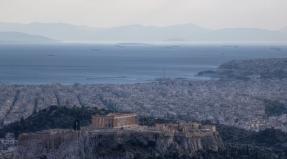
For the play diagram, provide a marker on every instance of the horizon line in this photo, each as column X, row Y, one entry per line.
column 144, row 25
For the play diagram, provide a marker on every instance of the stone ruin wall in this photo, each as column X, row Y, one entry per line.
column 125, row 121
column 101, row 122
column 50, row 139
column 188, row 129
column 114, row 121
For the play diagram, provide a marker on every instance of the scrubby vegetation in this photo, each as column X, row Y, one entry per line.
column 275, row 108
column 51, row 118
column 266, row 144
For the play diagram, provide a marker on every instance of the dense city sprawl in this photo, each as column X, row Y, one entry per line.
column 249, row 104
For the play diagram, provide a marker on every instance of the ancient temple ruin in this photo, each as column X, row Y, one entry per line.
column 109, row 132
column 114, row 120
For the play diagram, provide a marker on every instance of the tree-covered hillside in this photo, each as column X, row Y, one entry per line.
column 51, row 118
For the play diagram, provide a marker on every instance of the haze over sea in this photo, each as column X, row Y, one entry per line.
column 119, row 63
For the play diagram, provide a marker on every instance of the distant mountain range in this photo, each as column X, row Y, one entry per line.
column 139, row 33
column 16, row 37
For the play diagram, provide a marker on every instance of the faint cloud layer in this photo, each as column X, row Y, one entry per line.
column 270, row 14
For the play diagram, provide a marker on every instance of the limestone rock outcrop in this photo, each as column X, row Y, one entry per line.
column 141, row 142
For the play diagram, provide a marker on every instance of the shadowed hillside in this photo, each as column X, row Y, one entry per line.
column 51, row 118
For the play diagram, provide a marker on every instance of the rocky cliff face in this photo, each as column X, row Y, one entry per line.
column 115, row 144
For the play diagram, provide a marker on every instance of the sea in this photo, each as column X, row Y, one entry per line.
column 120, row 63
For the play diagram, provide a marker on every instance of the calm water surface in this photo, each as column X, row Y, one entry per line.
column 118, row 63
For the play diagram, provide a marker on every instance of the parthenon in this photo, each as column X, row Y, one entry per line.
column 114, row 120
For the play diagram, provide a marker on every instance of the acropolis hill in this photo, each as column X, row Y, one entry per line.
column 119, row 136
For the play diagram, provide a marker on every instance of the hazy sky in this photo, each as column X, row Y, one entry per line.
column 271, row 14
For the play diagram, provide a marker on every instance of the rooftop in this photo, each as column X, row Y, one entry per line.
column 121, row 114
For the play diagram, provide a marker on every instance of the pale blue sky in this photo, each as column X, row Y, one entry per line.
column 269, row 14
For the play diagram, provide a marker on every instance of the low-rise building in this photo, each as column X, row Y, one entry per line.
column 9, row 142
